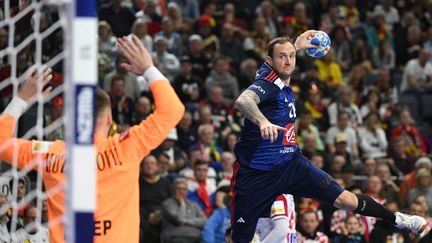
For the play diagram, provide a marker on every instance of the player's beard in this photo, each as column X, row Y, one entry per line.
column 284, row 75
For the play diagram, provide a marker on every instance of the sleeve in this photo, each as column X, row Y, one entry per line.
column 199, row 220
column 264, row 89
column 208, row 233
column 19, row 150
column 151, row 132
column 382, row 139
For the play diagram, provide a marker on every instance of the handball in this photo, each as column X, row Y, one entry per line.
column 322, row 41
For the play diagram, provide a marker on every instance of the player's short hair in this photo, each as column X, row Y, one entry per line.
column 102, row 101
column 278, row 40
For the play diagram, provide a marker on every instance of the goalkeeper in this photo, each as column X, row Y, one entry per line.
column 118, row 157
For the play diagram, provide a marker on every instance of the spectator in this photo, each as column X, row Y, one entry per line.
column 200, row 62
column 23, row 187
column 142, row 109
column 188, row 86
column 372, row 104
column 388, row 94
column 422, row 162
column 267, row 11
column 201, row 190
column 182, row 219
column 390, row 190
column 378, row 32
column 417, row 74
column 373, row 141
column 247, row 74
column 230, row 46
column 139, row 28
column 230, row 141
column 384, row 231
column 342, row 127
column 341, row 48
column 336, row 166
column 206, row 25
column 344, row 103
column 186, row 132
column 309, row 229
column 255, row 44
column 318, row 108
column 189, row 9
column 167, row 62
column 151, row 16
column 221, row 76
column 391, row 13
column 220, row 110
column 33, row 232
column 352, row 231
column 359, row 52
column 208, row 150
column 175, row 14
column 172, row 37
column 153, row 191
column 229, row 17
column 122, row 105
column 120, row 18
column 422, row 187
column 329, row 71
column 401, row 160
column 383, row 57
column 177, row 158
column 106, row 41
column 410, row 45
column 413, row 141
column 304, row 127
column 4, row 232
column 130, row 81
column 357, row 82
column 309, row 145
column 217, row 224
column 227, row 161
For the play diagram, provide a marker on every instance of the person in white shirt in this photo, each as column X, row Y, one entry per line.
column 33, row 232
column 373, row 141
column 417, row 75
column 167, row 63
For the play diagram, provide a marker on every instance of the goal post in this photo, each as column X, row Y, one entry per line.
column 81, row 119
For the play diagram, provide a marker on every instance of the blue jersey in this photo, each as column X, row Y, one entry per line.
column 277, row 105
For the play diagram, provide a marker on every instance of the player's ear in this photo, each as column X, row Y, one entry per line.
column 269, row 60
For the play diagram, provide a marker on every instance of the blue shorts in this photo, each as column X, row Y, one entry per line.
column 254, row 191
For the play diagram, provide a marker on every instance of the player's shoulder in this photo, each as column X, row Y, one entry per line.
column 267, row 75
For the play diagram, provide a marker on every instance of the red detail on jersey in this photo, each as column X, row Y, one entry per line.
column 271, row 77
column 290, row 135
column 236, row 166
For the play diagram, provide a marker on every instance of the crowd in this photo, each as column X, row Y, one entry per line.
column 363, row 110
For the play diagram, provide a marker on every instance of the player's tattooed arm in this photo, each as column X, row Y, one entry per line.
column 247, row 104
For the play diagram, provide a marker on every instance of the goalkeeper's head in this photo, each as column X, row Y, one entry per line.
column 104, row 118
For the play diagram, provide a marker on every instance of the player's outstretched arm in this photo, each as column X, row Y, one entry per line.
column 247, row 104
column 302, row 41
column 9, row 146
column 169, row 109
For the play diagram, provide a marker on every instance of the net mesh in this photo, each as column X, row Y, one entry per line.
column 31, row 35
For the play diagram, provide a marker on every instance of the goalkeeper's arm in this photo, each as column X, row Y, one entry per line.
column 12, row 147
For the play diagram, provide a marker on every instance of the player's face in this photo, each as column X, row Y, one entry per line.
column 283, row 60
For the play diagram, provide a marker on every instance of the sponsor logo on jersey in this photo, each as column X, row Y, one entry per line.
column 259, row 88
column 290, row 135
column 39, row 147
column 278, row 208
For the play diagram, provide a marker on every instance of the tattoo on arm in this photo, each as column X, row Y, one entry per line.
column 247, row 104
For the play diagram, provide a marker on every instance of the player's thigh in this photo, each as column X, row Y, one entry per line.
column 312, row 182
column 253, row 195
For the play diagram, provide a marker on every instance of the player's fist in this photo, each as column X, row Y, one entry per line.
column 270, row 131
column 138, row 56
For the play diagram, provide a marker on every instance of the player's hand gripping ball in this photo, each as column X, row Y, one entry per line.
column 322, row 41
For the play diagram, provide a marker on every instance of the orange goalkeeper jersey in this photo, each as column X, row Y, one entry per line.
column 118, row 160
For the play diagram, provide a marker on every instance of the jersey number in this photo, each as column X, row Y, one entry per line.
column 292, row 112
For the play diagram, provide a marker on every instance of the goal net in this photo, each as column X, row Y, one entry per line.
column 39, row 34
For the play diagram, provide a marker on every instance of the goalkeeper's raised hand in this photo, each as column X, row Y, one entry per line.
column 138, row 56
column 29, row 88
